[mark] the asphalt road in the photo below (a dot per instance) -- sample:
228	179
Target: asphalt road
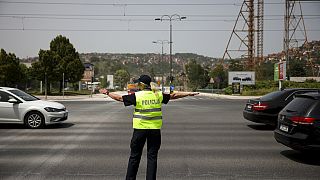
202	138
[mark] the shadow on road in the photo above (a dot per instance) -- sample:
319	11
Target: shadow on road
310	158
21	126
262	127
59	126
12	126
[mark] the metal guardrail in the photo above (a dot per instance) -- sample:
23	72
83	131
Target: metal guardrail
215	91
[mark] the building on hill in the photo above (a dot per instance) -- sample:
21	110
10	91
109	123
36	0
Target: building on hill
88	76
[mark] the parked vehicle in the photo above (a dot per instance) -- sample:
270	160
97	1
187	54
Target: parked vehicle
299	123
266	109
19	107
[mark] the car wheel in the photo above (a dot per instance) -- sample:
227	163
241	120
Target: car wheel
34	120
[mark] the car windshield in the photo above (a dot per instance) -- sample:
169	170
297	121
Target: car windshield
23	95
272	96
300	105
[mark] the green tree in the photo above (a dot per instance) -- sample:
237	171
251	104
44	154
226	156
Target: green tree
46	69
25	78
236	65
297	68
219	74
68	59
197	75
152	73
103	82
11	72
265	71
121	77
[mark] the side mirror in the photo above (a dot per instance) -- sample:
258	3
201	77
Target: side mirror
14	101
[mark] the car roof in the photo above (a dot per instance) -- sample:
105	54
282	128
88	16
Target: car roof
313	95
6	88
295	89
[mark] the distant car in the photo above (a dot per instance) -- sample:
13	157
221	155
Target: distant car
299	123
19	107
266	109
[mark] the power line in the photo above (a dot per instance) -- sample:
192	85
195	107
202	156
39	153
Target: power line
121	19
107	15
132	30
121	4
136	15
139	4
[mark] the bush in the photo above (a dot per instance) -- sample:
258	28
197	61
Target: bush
258	92
264	87
307	84
228	90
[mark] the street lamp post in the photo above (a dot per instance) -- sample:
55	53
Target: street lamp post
161	42
170	18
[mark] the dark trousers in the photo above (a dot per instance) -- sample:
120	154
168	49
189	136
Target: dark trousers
139	137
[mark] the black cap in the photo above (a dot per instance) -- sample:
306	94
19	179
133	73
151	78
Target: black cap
145	79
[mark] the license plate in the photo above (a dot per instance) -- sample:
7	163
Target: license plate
249	107
284	128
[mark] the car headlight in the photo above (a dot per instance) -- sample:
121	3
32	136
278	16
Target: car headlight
50	109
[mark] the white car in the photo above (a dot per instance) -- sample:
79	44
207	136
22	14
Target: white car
17	106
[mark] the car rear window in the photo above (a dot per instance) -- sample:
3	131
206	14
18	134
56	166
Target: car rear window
272	96
300	105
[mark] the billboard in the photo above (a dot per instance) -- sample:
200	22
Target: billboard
280	70
242	77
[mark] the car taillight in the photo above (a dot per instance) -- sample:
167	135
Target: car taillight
260	106
302	120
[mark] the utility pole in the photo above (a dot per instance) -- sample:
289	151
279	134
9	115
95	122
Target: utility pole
260	15
295	31
243	32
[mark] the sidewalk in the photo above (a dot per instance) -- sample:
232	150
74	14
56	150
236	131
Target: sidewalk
95	97
102	97
222	96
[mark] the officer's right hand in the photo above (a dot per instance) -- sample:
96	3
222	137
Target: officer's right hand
104	91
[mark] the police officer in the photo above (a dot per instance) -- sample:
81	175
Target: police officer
147	122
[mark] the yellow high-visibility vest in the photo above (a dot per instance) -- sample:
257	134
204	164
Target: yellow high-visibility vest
147	113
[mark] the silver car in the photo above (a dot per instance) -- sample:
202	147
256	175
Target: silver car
17	106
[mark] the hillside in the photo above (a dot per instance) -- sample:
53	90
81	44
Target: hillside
150	63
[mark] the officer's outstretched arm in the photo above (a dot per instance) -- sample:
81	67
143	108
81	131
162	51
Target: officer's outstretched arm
177	95
114	96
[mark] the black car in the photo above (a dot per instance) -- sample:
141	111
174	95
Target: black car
266	109
299	123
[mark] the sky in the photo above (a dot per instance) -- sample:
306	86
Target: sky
129	26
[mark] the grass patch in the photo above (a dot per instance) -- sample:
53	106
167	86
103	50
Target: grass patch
258	92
